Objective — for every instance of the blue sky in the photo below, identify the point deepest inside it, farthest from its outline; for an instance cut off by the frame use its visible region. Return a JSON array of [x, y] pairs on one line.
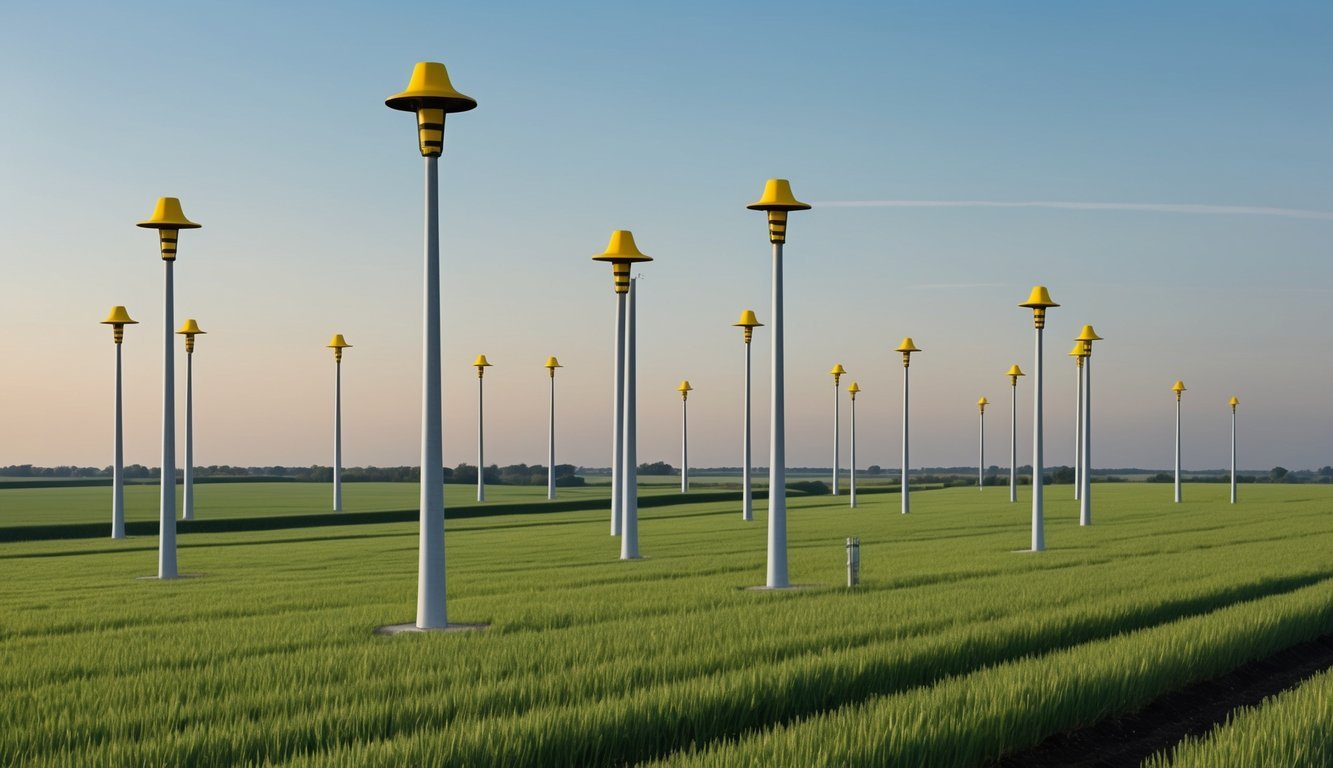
[[267, 120]]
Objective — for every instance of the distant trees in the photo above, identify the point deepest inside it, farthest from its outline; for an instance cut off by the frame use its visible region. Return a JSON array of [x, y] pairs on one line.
[[874, 469], [1277, 474], [657, 468]]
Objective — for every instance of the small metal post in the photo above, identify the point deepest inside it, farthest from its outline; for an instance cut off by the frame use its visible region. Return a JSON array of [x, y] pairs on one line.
[[853, 560]]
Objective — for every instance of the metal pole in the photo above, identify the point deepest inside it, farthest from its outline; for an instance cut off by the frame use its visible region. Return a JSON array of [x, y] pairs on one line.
[[1177, 448], [747, 500], [1038, 521], [904, 483], [981, 453], [481, 441], [1013, 441], [851, 471], [777, 444], [1233, 454], [618, 421], [1078, 428], [550, 445], [629, 527], [836, 437], [1085, 503], [166, 546], [118, 469], [431, 601], [188, 513], [684, 445], [338, 436]]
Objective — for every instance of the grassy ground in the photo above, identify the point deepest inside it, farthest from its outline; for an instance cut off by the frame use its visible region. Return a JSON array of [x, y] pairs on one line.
[[954, 649]]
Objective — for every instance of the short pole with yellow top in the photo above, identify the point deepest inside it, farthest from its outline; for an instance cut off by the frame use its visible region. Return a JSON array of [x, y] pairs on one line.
[[551, 365], [431, 96], [118, 318], [338, 344], [852, 389], [981, 444], [189, 330], [777, 201], [1038, 301], [168, 220], [1178, 387], [1013, 373], [836, 373], [1077, 354], [907, 348], [622, 253], [1233, 402], [684, 389], [1086, 337], [481, 366], [747, 323]]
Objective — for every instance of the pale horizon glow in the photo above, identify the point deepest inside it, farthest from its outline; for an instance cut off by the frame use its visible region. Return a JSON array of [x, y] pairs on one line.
[[1216, 210]]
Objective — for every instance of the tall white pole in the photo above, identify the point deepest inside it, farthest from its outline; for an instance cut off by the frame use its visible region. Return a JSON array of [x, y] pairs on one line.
[[684, 445], [618, 421], [1038, 520], [431, 606], [904, 483], [629, 526], [836, 437], [166, 546], [747, 461], [981, 452], [118, 469], [851, 470], [337, 436], [550, 445], [188, 512], [777, 444], [1078, 428], [1177, 448], [1013, 441], [1085, 502], [1233, 454], [481, 440]]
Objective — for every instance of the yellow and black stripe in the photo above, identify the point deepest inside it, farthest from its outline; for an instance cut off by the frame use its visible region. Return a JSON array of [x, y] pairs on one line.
[[337, 354], [1039, 317], [777, 226], [118, 333], [620, 271], [189, 343], [430, 131], [749, 333], [167, 239], [907, 359]]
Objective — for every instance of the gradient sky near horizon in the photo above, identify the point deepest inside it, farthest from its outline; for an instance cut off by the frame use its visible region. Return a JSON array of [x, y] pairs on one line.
[[1166, 169]]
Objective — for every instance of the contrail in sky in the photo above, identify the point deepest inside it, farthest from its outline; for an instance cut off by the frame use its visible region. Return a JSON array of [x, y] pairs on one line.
[[1215, 210]]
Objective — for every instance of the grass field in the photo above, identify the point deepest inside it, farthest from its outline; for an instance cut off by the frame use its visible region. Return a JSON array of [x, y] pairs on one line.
[[953, 651]]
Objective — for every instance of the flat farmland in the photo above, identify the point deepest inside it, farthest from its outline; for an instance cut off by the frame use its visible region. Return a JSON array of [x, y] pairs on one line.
[[954, 650]]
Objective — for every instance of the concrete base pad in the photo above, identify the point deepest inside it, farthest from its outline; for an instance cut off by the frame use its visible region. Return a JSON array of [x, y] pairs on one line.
[[1028, 551], [788, 588], [398, 629], [172, 578]]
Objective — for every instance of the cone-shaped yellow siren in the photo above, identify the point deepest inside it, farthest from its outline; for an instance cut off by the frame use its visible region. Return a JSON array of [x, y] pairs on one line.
[[1178, 387], [551, 362], [838, 370], [622, 249], [1014, 372], [481, 362], [430, 88], [982, 403], [168, 215], [118, 316], [1233, 402], [852, 389], [1040, 298], [908, 346], [190, 328], [338, 342], [1088, 335], [1080, 350], [748, 320], [685, 386], [778, 197]]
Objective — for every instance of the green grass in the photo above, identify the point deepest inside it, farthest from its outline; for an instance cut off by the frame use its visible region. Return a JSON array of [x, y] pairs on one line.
[[270, 657], [1293, 728]]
